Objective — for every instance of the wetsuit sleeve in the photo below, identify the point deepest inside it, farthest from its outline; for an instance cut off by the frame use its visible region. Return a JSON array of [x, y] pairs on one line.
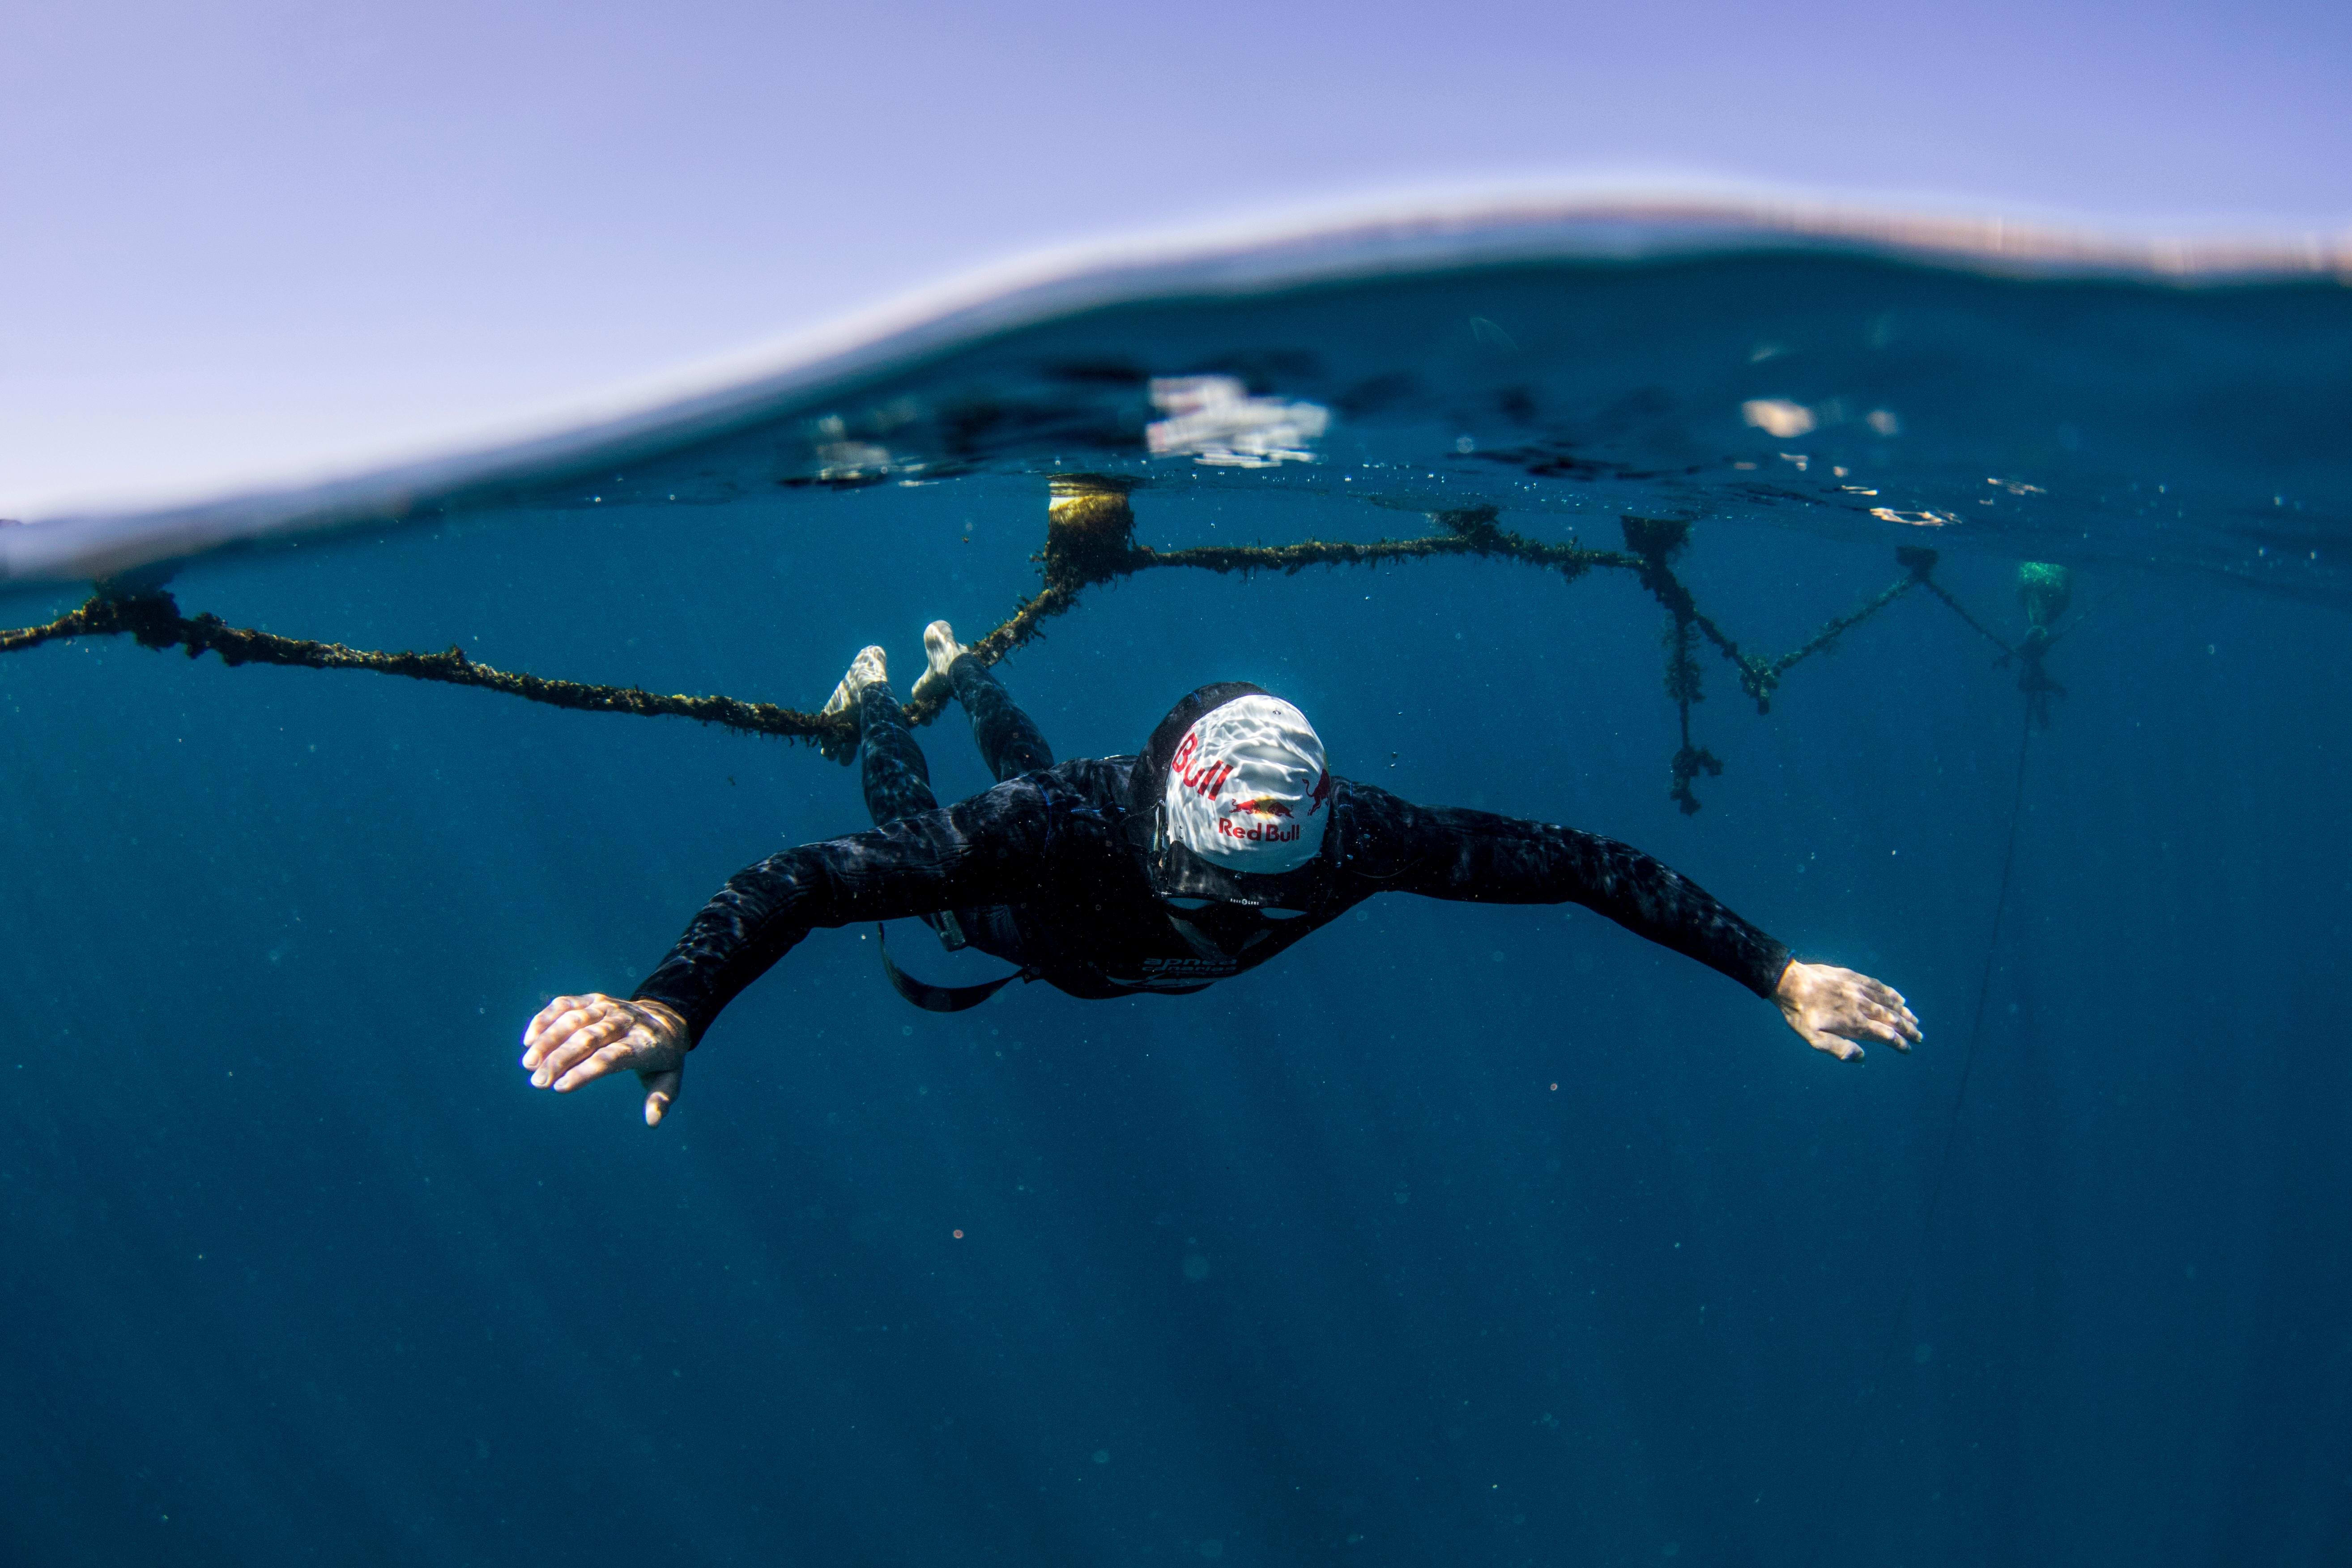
[[1475, 856], [980, 851]]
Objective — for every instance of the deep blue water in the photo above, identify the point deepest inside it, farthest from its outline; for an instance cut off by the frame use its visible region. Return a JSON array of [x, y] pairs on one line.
[[1319, 1266]]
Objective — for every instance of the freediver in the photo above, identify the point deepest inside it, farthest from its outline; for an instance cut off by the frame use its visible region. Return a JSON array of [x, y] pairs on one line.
[[1222, 844]]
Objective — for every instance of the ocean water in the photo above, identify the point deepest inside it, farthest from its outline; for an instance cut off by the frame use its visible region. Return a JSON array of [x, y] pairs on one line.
[[1461, 1235]]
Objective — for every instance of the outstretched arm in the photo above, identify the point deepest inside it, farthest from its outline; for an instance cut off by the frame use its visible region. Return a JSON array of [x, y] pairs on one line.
[[975, 853], [1479, 857]]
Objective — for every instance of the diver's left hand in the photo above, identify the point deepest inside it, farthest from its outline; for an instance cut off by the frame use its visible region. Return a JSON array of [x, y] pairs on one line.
[[578, 1039], [1835, 1008]]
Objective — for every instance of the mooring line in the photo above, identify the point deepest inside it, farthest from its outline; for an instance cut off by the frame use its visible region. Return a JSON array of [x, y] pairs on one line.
[[1089, 540], [1960, 1096]]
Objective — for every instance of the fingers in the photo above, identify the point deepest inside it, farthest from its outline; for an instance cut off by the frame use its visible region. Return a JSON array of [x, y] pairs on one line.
[[1891, 999], [547, 1034], [542, 1029], [1888, 1001], [1843, 1040], [559, 1061], [562, 1047], [557, 1020], [661, 1093], [555, 1008], [619, 1054], [1879, 1024], [1879, 1029], [1903, 1023], [1843, 1050], [1868, 1002]]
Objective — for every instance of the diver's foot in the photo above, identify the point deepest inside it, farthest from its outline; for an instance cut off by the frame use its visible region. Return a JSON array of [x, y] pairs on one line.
[[941, 649], [870, 665]]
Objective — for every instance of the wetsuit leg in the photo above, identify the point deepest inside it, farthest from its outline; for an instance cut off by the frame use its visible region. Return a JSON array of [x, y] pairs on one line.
[[898, 780], [1009, 742]]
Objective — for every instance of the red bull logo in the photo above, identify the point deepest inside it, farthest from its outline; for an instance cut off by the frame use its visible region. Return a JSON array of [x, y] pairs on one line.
[[1264, 805], [1269, 831], [1206, 779]]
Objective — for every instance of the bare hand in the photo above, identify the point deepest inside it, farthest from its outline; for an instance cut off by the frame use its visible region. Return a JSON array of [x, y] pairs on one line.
[[578, 1039], [1834, 1008]]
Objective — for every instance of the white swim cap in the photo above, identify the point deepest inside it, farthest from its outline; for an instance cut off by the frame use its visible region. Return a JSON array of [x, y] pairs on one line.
[[1247, 787]]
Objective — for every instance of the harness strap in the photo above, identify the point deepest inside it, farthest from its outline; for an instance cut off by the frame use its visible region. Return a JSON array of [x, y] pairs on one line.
[[941, 998]]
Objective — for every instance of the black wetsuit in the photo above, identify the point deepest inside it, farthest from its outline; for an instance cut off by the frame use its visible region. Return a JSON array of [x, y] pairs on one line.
[[1057, 869]]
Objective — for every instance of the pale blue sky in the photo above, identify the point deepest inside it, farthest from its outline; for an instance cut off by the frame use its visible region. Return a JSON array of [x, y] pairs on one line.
[[250, 237]]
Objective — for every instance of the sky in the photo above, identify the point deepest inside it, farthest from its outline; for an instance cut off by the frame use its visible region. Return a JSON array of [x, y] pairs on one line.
[[252, 240]]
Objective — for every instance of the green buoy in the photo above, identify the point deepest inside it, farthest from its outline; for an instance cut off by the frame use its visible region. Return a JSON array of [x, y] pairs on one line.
[[2044, 589]]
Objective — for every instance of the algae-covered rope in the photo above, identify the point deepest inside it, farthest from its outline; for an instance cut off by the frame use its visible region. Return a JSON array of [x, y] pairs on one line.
[[152, 619], [1089, 540], [1961, 610]]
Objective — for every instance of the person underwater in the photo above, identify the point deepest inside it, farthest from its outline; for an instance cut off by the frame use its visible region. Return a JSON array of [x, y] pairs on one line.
[[1222, 844]]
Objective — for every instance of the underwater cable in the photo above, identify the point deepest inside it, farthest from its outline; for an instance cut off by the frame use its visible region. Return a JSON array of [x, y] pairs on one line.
[[2045, 593]]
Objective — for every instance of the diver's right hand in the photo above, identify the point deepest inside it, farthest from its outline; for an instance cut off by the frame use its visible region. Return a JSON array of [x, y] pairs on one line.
[[578, 1039], [1834, 1010]]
